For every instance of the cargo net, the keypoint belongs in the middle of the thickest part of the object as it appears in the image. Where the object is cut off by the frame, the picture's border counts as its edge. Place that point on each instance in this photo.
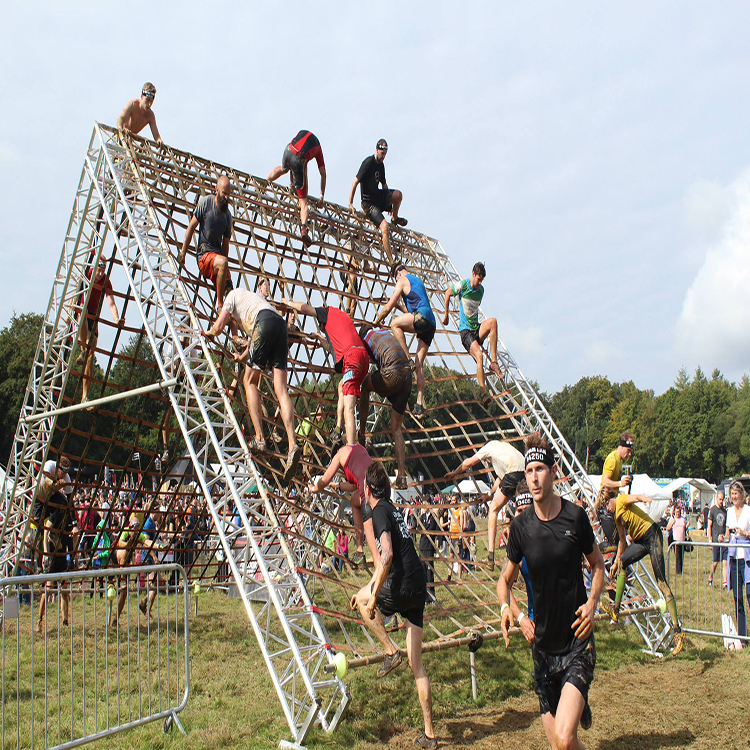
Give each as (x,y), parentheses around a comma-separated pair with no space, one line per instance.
(128,455)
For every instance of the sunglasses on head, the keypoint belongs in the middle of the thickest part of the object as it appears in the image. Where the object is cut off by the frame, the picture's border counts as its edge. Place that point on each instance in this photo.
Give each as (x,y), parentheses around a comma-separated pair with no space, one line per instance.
(149,94)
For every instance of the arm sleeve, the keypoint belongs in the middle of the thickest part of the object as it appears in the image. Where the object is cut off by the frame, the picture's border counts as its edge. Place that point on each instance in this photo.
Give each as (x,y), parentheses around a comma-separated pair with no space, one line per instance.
(200,209)
(457,287)
(609,467)
(585,532)
(363,169)
(513,550)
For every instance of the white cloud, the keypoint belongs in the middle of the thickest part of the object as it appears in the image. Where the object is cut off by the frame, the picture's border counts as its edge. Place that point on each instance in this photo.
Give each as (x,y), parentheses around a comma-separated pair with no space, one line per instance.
(715,318)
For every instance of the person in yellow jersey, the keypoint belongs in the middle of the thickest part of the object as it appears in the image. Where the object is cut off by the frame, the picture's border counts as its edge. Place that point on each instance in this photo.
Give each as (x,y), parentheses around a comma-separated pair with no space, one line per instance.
(646,540)
(612,481)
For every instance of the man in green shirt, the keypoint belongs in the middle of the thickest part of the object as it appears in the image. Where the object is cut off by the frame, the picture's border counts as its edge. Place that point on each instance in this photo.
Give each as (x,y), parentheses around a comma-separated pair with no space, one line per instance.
(473,334)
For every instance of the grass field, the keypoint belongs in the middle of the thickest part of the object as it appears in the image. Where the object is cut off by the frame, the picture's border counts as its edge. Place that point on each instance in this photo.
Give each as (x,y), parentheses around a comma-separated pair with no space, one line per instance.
(696,700)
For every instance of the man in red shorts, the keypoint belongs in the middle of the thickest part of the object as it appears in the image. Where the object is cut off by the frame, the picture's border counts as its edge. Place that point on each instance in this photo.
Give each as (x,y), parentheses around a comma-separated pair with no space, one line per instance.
(304,147)
(350,356)
(215,221)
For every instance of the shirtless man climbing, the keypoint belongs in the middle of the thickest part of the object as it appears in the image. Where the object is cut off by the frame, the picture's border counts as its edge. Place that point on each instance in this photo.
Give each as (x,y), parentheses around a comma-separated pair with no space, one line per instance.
(137,113)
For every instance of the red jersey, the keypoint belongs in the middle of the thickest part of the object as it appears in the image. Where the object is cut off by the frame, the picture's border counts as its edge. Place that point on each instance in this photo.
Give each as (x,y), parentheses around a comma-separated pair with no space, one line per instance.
(339,330)
(356,466)
(305,144)
(96,293)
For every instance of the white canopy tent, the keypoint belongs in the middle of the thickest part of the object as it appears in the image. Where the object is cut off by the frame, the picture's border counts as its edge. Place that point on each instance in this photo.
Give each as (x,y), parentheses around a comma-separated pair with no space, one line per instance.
(644,485)
(471,487)
(706,491)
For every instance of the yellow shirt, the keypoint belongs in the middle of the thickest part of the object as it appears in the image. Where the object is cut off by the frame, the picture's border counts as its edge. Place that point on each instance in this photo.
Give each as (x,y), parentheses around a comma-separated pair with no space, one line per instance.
(633,518)
(613,470)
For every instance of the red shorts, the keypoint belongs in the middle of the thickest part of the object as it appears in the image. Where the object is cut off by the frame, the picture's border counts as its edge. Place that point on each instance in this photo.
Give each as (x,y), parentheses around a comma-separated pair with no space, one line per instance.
(356,365)
(206,265)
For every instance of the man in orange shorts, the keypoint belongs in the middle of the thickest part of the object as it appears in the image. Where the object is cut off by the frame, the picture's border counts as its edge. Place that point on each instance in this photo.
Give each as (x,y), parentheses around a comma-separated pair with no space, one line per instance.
(350,355)
(215,221)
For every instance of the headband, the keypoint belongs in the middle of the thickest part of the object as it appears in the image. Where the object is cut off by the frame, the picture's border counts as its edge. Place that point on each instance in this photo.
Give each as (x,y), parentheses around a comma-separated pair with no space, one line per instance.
(523,499)
(537,454)
(383,493)
(626,443)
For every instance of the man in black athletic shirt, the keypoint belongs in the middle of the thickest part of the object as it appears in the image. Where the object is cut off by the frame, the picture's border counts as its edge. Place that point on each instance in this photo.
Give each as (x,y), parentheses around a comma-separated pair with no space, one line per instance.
(375,199)
(552,536)
(398,585)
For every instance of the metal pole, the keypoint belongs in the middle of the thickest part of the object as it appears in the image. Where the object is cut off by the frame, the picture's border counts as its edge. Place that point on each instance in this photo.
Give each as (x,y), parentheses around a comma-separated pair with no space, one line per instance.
(161,385)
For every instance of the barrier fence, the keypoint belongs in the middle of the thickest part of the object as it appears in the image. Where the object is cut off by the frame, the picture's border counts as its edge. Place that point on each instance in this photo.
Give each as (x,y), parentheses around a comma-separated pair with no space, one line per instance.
(705,607)
(96,662)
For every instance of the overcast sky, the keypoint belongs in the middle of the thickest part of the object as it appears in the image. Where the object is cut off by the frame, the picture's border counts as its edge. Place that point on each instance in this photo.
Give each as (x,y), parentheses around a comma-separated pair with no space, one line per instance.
(595,156)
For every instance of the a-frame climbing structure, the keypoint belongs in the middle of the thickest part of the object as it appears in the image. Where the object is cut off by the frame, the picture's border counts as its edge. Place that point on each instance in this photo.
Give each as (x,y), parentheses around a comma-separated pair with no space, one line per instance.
(131,209)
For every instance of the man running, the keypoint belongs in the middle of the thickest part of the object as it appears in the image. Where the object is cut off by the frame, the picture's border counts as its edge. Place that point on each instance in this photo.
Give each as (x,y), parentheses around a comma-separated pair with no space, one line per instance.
(418,319)
(552,536)
(215,221)
(473,334)
(398,585)
(88,336)
(376,199)
(646,540)
(508,465)
(392,380)
(299,151)
(138,113)
(267,348)
(350,356)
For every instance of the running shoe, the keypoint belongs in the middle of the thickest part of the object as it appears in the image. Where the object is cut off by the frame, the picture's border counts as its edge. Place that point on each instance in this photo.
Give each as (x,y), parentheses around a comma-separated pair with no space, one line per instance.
(401,483)
(400,221)
(678,642)
(390,662)
(258,446)
(292,461)
(424,741)
(491,561)
(306,239)
(418,410)
(606,605)
(358,557)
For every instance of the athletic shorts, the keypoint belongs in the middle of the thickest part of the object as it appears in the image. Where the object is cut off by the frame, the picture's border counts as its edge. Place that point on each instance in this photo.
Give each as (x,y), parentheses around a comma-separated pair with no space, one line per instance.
(356,363)
(409,603)
(296,166)
(719,553)
(552,671)
(395,385)
(206,267)
(509,483)
(381,201)
(269,342)
(425,329)
(469,337)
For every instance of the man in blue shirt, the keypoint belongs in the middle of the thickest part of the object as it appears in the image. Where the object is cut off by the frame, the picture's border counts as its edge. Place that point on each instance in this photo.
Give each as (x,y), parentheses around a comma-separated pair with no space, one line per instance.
(410,295)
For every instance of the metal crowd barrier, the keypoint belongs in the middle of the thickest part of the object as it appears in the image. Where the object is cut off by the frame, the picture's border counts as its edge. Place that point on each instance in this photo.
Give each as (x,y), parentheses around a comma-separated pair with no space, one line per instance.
(66,684)
(710,609)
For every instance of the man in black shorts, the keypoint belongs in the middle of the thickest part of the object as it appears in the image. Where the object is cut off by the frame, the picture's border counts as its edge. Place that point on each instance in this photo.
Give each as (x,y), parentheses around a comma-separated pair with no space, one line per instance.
(59,540)
(376,199)
(398,585)
(392,380)
(268,347)
(552,536)
(304,147)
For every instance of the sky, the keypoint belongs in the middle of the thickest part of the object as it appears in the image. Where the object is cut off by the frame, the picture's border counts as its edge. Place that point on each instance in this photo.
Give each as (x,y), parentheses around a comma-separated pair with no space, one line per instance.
(593,155)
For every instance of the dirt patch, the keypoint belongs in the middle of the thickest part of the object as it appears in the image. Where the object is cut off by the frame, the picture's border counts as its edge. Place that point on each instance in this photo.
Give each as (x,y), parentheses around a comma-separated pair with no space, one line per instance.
(671,703)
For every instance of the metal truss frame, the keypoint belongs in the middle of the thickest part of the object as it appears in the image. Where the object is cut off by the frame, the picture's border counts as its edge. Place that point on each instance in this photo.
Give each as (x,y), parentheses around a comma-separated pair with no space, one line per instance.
(138,195)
